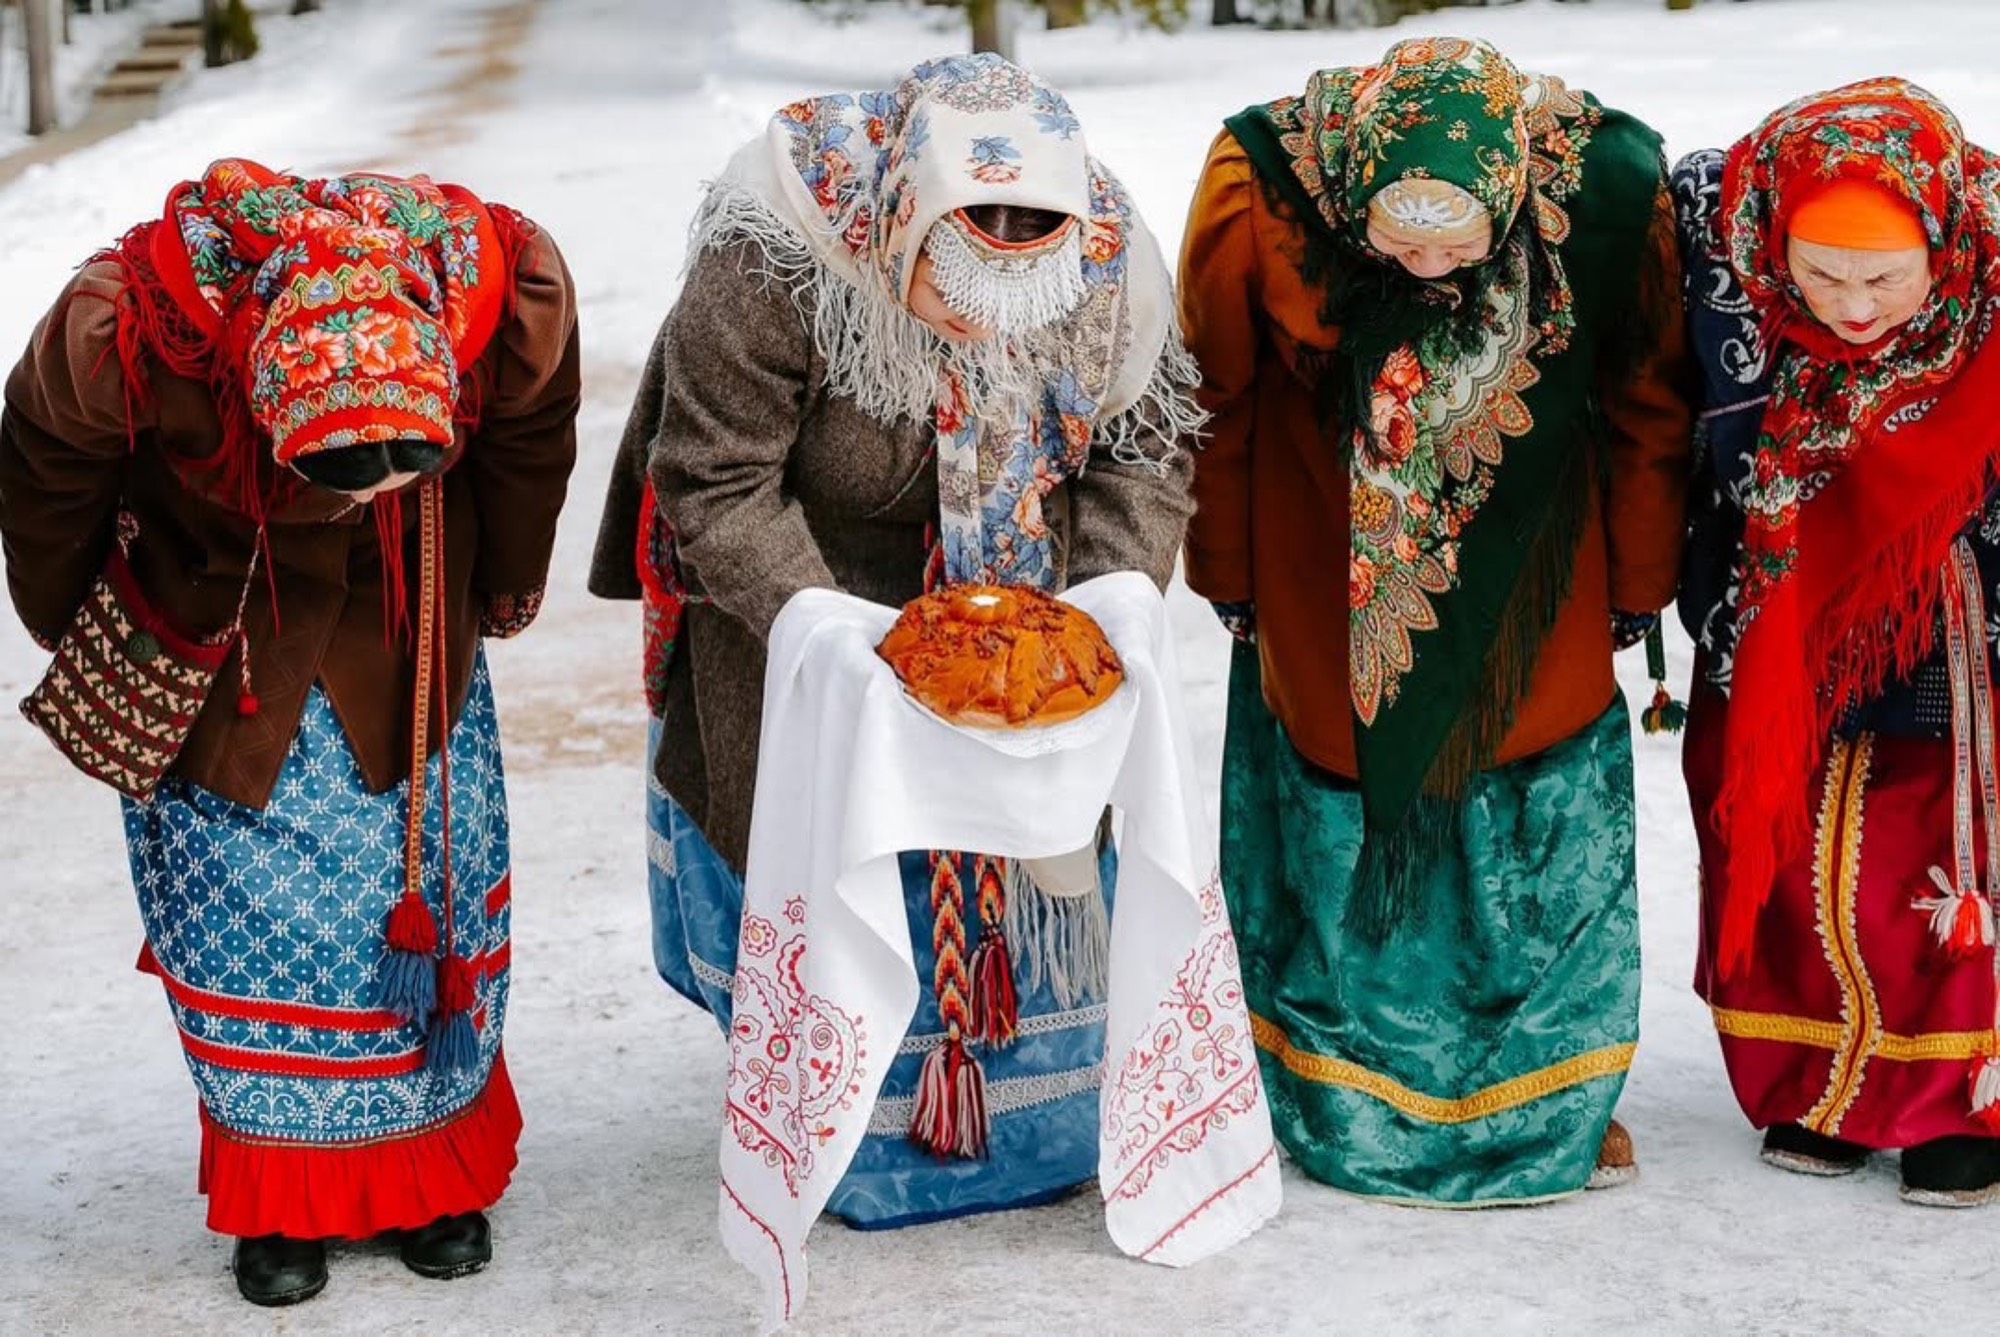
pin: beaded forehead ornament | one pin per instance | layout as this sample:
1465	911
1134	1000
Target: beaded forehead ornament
1436	210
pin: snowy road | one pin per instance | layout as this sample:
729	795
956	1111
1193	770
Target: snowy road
599	117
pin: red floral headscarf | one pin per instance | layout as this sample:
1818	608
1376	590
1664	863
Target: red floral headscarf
1866	467
322	312
1826	394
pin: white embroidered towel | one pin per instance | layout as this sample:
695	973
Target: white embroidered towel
851	772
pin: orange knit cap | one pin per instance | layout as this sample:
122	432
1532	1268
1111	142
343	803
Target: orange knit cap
1858	216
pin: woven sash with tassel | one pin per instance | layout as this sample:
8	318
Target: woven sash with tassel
423	978
950	1114
1961	914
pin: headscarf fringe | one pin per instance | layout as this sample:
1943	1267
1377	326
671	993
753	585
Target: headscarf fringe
515	231
885	360
1386	880
1167	405
153	324
1063	940
1854	646
1388	872
1632	343
876	353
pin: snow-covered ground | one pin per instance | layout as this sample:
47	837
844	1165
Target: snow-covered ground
599	117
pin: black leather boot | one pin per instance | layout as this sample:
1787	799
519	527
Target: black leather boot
273	1270
1794	1147
1953	1172
451	1246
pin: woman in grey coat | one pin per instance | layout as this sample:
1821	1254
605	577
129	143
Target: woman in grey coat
923	338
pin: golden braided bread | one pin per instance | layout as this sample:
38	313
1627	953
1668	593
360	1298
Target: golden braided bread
1001	657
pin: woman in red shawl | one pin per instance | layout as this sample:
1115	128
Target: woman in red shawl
1844	276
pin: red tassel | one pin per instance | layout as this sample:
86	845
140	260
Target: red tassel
412	926
1972	927
247	705
458	988
1985	1087
996	1008
950	1118
1961	920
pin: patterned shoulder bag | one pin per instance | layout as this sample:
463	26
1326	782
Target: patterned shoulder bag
126	685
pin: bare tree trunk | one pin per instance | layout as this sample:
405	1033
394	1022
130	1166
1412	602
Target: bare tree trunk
1065	13
66	8
1368	13
1224	13
41	34
211	33
305	6
992	27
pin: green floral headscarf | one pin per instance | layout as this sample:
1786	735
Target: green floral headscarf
1441	110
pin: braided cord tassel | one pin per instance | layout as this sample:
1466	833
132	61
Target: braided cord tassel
408	984
950	1115
453	1044
996	1007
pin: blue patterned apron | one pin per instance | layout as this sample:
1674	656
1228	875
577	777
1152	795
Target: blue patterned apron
268	930
1041	1091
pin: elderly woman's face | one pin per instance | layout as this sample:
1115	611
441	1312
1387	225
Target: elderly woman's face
927	305
1425	254
1860	295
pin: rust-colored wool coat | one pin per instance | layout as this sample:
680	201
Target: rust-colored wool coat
68	458
1271	518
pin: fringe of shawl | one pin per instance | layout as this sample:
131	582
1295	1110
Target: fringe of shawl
1392	863
1065	940
1880	625
886	361
153	324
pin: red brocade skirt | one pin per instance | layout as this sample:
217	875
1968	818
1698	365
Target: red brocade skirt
1850	1019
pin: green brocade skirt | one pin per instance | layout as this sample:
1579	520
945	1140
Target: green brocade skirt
1475	1058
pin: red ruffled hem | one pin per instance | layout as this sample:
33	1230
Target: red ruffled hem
318	1192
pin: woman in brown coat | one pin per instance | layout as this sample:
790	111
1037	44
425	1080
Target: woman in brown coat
1431	300
924	337
245	439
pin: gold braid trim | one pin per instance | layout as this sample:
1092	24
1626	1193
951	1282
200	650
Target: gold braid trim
1507	1095
1930	1047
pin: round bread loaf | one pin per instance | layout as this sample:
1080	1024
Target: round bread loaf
1001	657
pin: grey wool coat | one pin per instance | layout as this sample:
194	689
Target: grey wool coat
773	484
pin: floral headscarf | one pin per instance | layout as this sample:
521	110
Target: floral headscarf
1827	395
956	133
1433	109
324	312
1839	595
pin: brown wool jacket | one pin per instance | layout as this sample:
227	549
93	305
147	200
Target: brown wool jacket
67	461
1271	523
773	485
